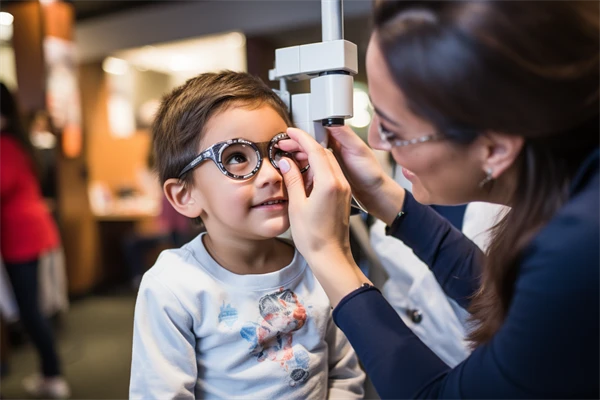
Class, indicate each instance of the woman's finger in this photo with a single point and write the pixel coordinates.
(294, 182)
(299, 156)
(336, 170)
(317, 157)
(289, 145)
(345, 137)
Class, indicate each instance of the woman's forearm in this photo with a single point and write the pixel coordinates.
(455, 260)
(337, 273)
(386, 202)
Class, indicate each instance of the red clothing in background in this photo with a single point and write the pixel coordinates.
(26, 226)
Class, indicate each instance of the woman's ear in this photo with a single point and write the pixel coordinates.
(502, 150)
(180, 196)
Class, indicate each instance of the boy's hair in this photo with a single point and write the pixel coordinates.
(183, 114)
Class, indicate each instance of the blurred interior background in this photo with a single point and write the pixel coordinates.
(88, 76)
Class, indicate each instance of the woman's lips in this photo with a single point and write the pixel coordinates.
(408, 175)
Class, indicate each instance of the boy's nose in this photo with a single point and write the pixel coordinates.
(267, 174)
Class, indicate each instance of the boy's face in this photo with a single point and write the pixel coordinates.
(237, 208)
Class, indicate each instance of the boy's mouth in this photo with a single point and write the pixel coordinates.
(271, 202)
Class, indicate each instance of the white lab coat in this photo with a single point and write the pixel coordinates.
(412, 286)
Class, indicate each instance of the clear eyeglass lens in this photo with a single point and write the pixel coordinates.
(239, 159)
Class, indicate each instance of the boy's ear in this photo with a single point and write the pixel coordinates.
(180, 197)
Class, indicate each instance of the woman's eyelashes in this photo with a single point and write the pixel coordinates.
(387, 134)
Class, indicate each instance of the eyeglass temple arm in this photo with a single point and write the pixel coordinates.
(205, 155)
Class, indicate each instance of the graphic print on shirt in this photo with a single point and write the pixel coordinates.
(228, 315)
(272, 337)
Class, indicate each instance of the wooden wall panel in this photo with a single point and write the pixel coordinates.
(29, 58)
(58, 18)
(111, 160)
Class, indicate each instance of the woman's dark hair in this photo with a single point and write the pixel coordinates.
(14, 127)
(526, 68)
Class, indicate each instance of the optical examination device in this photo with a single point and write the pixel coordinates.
(329, 65)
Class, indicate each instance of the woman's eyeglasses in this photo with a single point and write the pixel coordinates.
(241, 159)
(389, 138)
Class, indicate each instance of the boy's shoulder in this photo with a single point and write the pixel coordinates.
(179, 269)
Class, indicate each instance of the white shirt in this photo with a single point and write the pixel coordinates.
(201, 331)
(412, 286)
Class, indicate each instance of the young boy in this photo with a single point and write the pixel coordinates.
(235, 313)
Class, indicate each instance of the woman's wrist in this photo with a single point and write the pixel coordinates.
(387, 201)
(337, 273)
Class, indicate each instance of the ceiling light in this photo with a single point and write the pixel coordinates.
(362, 109)
(236, 39)
(6, 19)
(115, 66)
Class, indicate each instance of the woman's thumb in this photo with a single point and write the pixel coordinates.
(292, 178)
(343, 135)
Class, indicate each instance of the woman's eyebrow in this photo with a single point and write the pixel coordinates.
(383, 116)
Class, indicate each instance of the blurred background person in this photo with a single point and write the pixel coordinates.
(27, 232)
(169, 229)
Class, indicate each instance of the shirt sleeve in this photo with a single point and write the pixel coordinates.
(346, 378)
(454, 259)
(163, 360)
(395, 359)
(536, 352)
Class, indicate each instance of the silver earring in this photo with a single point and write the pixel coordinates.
(488, 177)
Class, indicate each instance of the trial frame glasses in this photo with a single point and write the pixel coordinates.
(259, 150)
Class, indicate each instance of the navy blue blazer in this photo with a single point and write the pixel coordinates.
(548, 345)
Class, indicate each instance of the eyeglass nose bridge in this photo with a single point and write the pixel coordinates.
(265, 151)
(262, 150)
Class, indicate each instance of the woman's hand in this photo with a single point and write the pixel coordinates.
(376, 191)
(320, 216)
(320, 220)
(358, 162)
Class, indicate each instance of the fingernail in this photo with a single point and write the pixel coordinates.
(284, 165)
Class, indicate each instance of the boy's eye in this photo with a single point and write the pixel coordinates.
(236, 158)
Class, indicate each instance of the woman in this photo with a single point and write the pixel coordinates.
(479, 101)
(27, 230)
